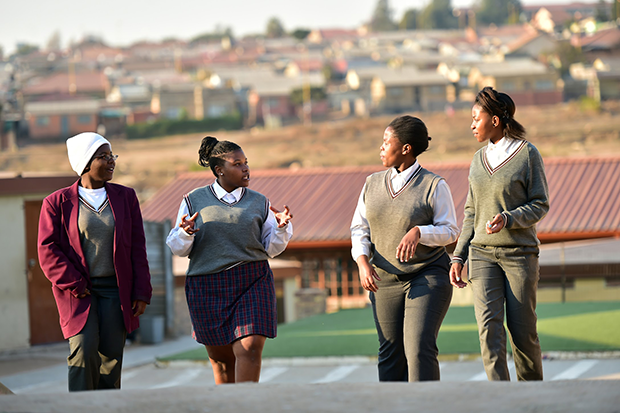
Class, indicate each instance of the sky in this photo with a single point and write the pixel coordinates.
(122, 22)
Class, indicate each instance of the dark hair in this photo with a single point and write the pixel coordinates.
(212, 152)
(501, 105)
(411, 131)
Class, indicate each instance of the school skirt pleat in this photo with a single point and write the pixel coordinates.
(232, 304)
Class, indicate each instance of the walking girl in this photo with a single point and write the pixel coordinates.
(229, 231)
(404, 218)
(92, 248)
(507, 197)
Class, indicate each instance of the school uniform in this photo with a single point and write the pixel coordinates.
(99, 246)
(229, 285)
(412, 297)
(508, 178)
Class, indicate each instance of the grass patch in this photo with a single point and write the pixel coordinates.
(588, 326)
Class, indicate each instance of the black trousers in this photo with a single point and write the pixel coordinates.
(96, 355)
(408, 311)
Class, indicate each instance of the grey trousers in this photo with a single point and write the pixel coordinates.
(408, 311)
(506, 280)
(96, 355)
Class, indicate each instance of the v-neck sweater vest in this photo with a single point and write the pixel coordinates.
(517, 188)
(97, 238)
(229, 234)
(392, 214)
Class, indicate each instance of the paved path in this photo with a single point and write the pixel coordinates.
(563, 396)
(142, 373)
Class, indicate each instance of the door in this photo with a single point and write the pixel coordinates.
(44, 325)
(64, 126)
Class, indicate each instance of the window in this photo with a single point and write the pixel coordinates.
(83, 119)
(43, 120)
(395, 91)
(215, 111)
(437, 90)
(508, 85)
(544, 85)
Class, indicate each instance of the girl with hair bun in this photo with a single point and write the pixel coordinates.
(229, 236)
(404, 219)
(507, 197)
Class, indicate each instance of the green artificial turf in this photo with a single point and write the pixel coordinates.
(591, 326)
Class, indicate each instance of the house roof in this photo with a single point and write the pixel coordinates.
(411, 77)
(26, 184)
(59, 82)
(584, 196)
(60, 107)
(602, 40)
(561, 13)
(512, 67)
(581, 252)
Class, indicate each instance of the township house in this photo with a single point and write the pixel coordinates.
(585, 204)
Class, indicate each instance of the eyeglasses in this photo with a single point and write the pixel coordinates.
(106, 157)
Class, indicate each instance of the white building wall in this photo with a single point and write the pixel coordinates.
(14, 320)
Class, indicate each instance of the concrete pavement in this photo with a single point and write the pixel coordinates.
(479, 397)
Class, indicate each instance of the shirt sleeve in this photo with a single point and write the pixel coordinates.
(461, 251)
(444, 229)
(179, 241)
(360, 230)
(275, 239)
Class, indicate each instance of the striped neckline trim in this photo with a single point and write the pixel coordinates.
(92, 208)
(243, 190)
(394, 194)
(490, 170)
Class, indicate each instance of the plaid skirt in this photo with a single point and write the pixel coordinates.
(232, 304)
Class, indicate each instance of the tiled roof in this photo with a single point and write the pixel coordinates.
(512, 67)
(59, 82)
(584, 196)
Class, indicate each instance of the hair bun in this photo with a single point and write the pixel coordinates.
(429, 138)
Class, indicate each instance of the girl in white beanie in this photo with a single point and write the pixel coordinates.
(92, 248)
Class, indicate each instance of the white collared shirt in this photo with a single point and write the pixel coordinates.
(94, 197)
(274, 239)
(497, 153)
(443, 231)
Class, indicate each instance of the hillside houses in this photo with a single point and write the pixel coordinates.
(337, 72)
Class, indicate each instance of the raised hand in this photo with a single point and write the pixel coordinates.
(283, 217)
(188, 224)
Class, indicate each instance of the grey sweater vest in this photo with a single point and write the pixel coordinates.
(97, 239)
(229, 233)
(391, 215)
(517, 188)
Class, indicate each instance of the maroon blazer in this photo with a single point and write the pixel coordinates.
(63, 262)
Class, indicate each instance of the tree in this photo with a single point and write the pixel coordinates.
(565, 55)
(24, 49)
(381, 20)
(499, 12)
(438, 15)
(602, 11)
(316, 93)
(53, 44)
(275, 28)
(409, 20)
(300, 34)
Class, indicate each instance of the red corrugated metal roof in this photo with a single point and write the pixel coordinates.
(584, 196)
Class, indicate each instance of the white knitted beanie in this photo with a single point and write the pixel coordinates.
(82, 147)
